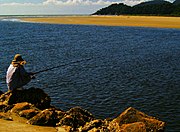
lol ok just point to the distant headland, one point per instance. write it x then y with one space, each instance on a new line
150 8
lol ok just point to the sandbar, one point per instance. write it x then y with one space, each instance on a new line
137 21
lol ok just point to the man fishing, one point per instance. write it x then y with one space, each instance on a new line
17 76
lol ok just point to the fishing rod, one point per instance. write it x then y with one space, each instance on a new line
73 62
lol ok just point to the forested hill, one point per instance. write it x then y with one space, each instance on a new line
155 7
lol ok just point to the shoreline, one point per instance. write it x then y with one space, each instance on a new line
34 112
131 21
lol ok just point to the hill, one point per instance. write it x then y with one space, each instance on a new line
155 7
176 2
114 9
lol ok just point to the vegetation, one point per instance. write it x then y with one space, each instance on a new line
155 7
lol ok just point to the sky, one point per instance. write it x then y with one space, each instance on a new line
57 7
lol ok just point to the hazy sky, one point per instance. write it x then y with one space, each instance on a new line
33 7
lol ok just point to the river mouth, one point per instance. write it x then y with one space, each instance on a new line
135 67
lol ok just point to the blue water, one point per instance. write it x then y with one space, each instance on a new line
129 66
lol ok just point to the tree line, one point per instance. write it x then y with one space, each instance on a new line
156 7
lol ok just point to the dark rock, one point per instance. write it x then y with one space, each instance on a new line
67 120
1 93
132 115
76 117
3 107
47 117
34 96
28 113
4 97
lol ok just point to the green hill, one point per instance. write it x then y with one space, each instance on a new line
176 2
155 7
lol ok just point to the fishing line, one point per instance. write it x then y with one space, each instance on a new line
73 62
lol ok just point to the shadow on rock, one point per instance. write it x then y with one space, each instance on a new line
35 96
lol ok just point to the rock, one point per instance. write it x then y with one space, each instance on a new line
5 116
3 107
1 93
131 127
4 97
90 125
76 117
47 117
134 127
20 107
96 125
28 113
67 129
62 129
34 96
67 120
132 115
60 114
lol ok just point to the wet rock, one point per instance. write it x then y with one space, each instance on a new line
47 117
34 96
20 107
76 117
132 115
28 113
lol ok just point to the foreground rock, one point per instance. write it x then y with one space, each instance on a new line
46 117
135 120
33 105
34 96
75 118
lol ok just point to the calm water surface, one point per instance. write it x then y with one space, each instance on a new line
130 66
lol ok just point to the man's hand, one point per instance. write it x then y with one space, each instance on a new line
32 75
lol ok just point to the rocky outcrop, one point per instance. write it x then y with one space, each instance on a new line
47 117
5 116
35 108
75 118
21 106
95 125
29 113
132 115
35 96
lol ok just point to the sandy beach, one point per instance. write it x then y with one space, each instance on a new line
138 21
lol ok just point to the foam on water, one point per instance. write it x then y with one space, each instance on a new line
11 19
